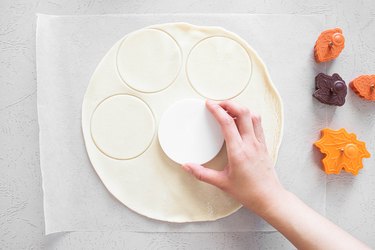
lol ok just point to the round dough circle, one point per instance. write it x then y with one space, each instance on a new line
122 126
219 68
189 133
148 60
150 183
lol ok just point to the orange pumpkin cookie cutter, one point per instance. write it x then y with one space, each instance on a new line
342 150
364 87
329 45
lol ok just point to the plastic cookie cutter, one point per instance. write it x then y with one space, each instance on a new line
330 90
329 45
342 150
364 87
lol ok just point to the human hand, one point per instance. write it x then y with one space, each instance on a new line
251 179
249 175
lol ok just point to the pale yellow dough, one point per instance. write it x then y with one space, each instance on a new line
122 126
136 81
148 60
219 68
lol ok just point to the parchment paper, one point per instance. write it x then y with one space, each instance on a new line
68 50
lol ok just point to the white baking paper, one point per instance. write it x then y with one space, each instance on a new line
68 50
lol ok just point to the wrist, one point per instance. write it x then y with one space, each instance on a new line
269 200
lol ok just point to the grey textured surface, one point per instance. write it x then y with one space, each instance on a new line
350 200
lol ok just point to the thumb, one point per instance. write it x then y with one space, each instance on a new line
208 175
258 129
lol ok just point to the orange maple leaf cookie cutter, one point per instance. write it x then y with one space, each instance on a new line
342 150
329 45
364 87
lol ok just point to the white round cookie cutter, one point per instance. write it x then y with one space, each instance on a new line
188 132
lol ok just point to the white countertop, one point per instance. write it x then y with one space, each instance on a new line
350 200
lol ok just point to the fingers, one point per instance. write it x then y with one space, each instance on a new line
208 175
243 118
258 129
228 126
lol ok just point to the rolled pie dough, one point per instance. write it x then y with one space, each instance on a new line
137 81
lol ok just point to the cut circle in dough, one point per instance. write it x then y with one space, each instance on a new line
122 126
219 68
188 132
148 60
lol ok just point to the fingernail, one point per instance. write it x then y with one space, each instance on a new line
212 103
259 117
186 168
